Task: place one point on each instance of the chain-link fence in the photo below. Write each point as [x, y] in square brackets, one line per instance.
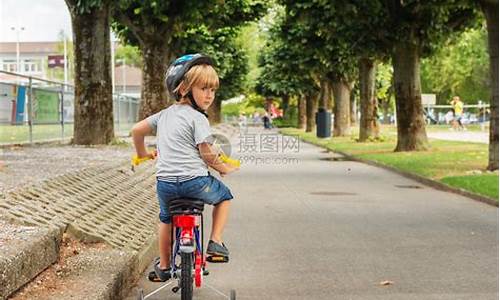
[36, 110]
[444, 114]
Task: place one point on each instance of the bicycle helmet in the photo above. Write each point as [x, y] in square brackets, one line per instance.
[179, 68]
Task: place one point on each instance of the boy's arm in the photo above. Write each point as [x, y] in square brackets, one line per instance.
[211, 158]
[139, 131]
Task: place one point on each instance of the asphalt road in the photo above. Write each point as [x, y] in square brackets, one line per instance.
[317, 228]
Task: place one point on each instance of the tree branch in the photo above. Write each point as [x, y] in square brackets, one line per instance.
[125, 20]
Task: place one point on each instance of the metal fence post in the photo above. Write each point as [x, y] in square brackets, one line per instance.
[62, 112]
[129, 117]
[118, 110]
[30, 109]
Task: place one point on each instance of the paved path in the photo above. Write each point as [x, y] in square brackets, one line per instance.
[322, 229]
[465, 136]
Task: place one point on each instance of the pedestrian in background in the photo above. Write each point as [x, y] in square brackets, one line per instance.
[458, 111]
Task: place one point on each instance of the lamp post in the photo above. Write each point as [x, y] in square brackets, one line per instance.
[124, 78]
[65, 61]
[112, 42]
[17, 30]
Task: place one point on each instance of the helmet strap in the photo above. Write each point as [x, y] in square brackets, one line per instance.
[195, 106]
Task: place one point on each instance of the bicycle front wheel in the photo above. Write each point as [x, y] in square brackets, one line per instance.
[186, 276]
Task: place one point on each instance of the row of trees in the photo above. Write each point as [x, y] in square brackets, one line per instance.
[162, 30]
[319, 46]
[315, 49]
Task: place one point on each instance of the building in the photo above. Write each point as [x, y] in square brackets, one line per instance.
[34, 61]
[128, 80]
[32, 56]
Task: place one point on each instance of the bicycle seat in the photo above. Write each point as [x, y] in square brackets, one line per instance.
[186, 206]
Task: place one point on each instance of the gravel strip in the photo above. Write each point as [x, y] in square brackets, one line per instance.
[22, 166]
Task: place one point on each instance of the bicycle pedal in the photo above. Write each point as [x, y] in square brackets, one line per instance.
[218, 259]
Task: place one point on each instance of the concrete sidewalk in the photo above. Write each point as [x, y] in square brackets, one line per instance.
[463, 136]
[310, 225]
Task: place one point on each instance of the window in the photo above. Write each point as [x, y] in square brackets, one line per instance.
[31, 65]
[9, 65]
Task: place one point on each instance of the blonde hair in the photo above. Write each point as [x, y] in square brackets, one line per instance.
[201, 75]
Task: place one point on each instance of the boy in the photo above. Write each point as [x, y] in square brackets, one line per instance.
[458, 110]
[185, 152]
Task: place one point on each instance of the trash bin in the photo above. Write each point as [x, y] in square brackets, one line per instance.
[323, 123]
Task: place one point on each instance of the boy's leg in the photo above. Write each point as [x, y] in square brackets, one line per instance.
[164, 241]
[219, 220]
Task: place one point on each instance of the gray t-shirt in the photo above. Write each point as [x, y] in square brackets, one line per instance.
[179, 129]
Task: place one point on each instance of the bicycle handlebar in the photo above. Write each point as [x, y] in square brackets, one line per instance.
[229, 160]
[135, 161]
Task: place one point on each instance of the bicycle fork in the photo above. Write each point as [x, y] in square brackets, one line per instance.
[188, 240]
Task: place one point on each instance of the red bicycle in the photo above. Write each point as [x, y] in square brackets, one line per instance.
[188, 260]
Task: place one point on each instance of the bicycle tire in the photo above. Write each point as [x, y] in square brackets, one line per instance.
[186, 276]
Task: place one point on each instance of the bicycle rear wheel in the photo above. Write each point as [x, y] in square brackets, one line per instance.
[186, 276]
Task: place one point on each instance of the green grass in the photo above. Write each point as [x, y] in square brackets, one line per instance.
[444, 159]
[20, 133]
[12, 134]
[475, 184]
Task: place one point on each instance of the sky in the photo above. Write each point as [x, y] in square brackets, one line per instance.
[42, 20]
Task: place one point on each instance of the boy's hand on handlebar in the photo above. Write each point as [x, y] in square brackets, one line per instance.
[138, 159]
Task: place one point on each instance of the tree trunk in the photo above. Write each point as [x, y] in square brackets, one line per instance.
[323, 96]
[368, 124]
[329, 96]
[154, 95]
[93, 90]
[385, 110]
[302, 112]
[490, 9]
[285, 103]
[353, 108]
[410, 119]
[342, 124]
[214, 112]
[311, 108]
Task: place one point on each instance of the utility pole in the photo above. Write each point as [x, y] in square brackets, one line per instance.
[17, 30]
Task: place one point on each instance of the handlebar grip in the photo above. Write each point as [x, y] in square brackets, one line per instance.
[136, 160]
[229, 160]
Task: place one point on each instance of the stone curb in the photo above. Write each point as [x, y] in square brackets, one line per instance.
[26, 256]
[49, 142]
[108, 274]
[429, 182]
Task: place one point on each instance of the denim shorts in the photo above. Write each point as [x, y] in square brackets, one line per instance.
[207, 188]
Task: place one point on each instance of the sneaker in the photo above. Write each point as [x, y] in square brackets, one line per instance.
[159, 275]
[214, 248]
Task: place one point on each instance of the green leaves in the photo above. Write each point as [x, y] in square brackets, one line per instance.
[459, 67]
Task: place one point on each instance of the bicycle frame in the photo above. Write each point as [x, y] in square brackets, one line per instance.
[187, 237]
